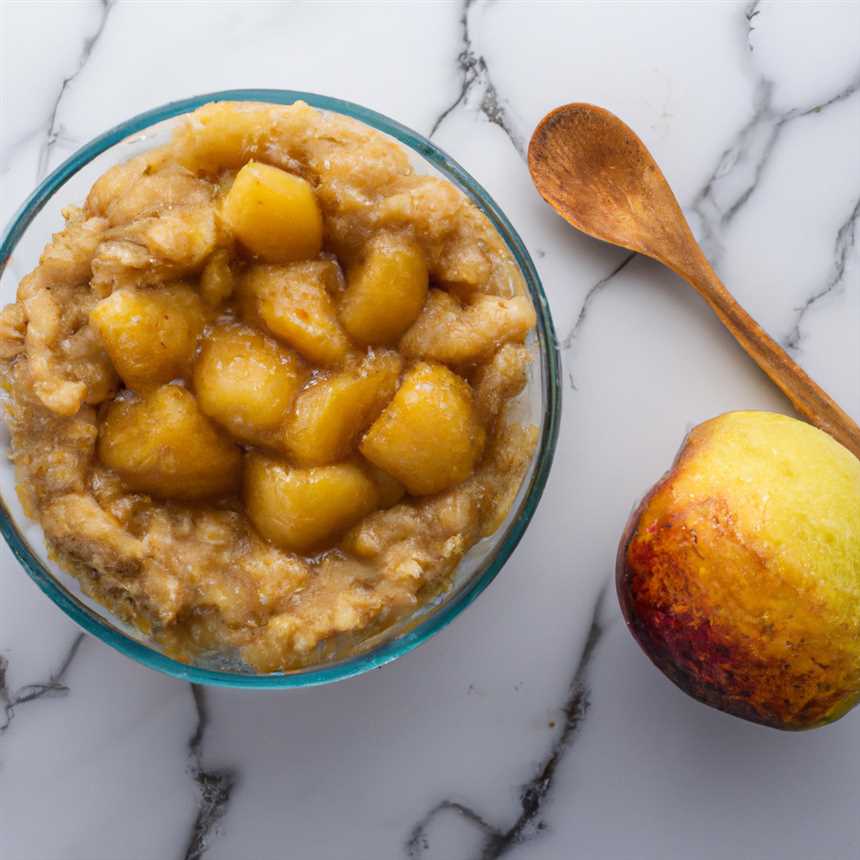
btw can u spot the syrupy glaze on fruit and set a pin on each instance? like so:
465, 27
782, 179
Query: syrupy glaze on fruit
260, 386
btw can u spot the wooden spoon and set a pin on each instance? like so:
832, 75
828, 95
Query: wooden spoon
596, 173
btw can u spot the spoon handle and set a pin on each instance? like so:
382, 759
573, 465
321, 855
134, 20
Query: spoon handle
811, 401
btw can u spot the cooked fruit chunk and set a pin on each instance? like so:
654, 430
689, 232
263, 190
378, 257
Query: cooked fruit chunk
274, 214
66, 364
294, 303
150, 251
501, 379
164, 445
456, 334
68, 257
216, 280
385, 292
305, 509
391, 491
223, 134
429, 436
246, 381
143, 187
150, 335
330, 416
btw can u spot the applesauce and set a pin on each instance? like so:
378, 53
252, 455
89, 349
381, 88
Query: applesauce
261, 387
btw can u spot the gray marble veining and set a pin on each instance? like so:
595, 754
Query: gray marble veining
499, 840
532, 726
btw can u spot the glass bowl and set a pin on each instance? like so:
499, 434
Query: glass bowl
540, 403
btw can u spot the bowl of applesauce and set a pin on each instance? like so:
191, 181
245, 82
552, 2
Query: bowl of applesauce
281, 388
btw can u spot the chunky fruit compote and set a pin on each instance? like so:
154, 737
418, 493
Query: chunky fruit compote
260, 387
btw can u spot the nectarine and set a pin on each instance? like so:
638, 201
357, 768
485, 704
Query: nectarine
739, 574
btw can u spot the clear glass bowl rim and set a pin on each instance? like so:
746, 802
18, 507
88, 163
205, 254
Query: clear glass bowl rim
551, 390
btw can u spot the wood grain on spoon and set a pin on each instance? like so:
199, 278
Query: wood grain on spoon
599, 176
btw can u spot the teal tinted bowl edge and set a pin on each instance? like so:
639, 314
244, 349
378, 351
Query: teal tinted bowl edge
97, 626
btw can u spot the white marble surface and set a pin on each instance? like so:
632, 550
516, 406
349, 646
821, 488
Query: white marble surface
505, 734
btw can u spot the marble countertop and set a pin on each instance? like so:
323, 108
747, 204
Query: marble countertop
532, 726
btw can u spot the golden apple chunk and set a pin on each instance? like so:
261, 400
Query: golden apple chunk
164, 445
429, 436
246, 381
329, 416
302, 509
385, 292
274, 214
294, 303
216, 279
739, 574
150, 335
